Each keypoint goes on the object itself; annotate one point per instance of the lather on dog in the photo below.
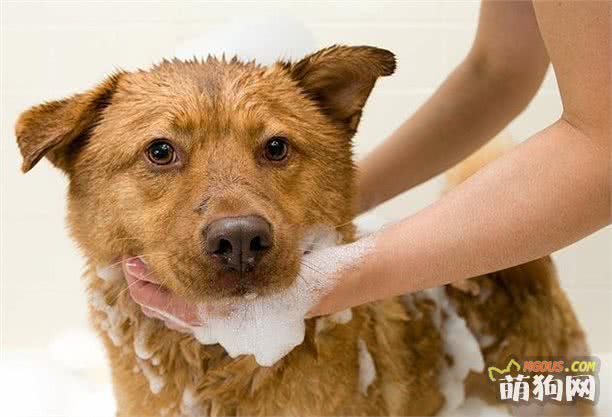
(185, 162)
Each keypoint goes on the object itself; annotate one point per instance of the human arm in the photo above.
(548, 192)
(490, 87)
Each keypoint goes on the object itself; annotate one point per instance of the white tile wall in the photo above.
(49, 49)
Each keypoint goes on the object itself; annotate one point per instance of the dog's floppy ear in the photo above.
(340, 79)
(55, 128)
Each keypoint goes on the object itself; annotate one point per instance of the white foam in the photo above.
(460, 344)
(486, 340)
(156, 381)
(342, 317)
(114, 317)
(367, 369)
(190, 405)
(109, 272)
(325, 322)
(269, 327)
(265, 38)
(142, 333)
(484, 293)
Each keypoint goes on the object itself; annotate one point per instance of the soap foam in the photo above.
(113, 321)
(156, 381)
(459, 343)
(142, 333)
(270, 326)
(486, 340)
(367, 369)
(109, 272)
(325, 322)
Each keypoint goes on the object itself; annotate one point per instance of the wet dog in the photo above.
(214, 171)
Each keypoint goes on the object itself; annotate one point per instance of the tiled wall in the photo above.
(53, 48)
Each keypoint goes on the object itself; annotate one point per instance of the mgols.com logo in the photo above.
(559, 381)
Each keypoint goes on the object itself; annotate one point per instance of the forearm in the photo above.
(495, 82)
(470, 107)
(547, 193)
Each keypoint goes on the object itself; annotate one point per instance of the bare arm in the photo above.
(549, 192)
(486, 91)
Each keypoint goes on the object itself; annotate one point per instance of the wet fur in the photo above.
(118, 205)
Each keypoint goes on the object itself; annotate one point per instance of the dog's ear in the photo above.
(56, 128)
(340, 79)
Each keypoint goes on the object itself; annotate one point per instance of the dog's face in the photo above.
(212, 171)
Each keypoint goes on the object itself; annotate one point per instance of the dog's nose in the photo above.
(238, 242)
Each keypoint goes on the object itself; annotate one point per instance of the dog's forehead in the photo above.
(212, 80)
(209, 77)
(190, 92)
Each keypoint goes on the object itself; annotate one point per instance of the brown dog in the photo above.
(187, 162)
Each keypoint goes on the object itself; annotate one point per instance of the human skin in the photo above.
(545, 194)
(491, 86)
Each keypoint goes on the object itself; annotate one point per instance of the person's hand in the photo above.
(342, 270)
(157, 301)
(348, 291)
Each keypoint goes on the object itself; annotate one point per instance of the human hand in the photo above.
(345, 269)
(157, 301)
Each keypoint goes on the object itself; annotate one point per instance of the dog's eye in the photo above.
(276, 148)
(160, 152)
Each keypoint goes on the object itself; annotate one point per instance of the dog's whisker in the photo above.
(343, 224)
(312, 268)
(114, 264)
(121, 291)
(307, 283)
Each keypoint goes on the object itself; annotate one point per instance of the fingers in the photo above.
(156, 300)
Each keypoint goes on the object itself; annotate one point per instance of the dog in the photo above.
(188, 160)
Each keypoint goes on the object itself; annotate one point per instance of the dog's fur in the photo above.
(218, 114)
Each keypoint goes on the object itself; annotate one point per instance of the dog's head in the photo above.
(214, 170)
